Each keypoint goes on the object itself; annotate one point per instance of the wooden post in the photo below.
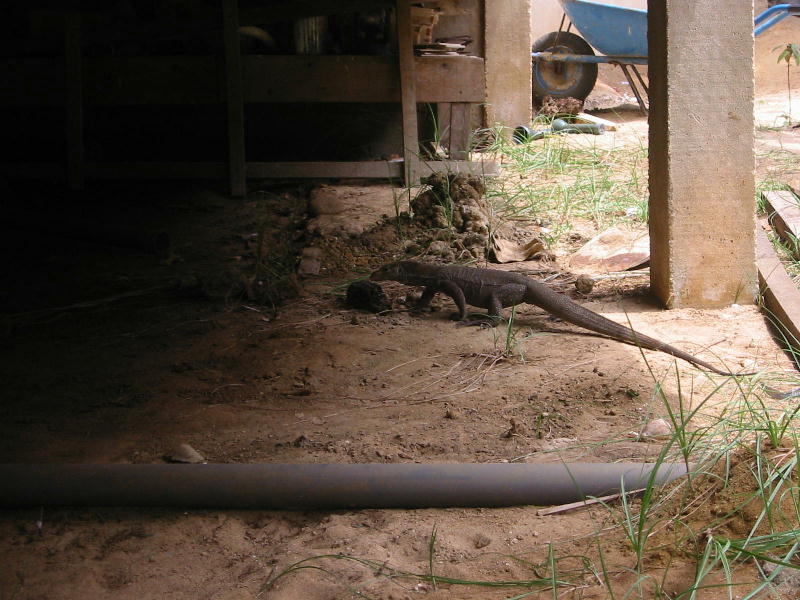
(73, 79)
(702, 186)
(405, 48)
(453, 124)
(459, 131)
(235, 97)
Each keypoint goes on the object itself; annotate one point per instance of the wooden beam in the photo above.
(330, 169)
(360, 79)
(783, 213)
(174, 80)
(283, 10)
(234, 97)
(74, 101)
(219, 170)
(779, 294)
(408, 92)
(473, 167)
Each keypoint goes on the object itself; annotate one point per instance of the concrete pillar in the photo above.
(702, 185)
(508, 62)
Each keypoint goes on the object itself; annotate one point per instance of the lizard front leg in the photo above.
(457, 294)
(425, 299)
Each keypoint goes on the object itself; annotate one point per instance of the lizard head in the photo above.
(396, 271)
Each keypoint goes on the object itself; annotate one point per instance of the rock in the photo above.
(657, 428)
(310, 262)
(325, 200)
(440, 248)
(584, 284)
(410, 247)
(301, 441)
(185, 454)
(517, 429)
(614, 249)
(481, 541)
(367, 295)
(786, 583)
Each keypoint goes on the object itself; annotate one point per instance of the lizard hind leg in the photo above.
(492, 318)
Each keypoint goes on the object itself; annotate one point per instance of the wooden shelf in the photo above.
(233, 80)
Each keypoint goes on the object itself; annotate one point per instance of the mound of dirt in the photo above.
(455, 202)
(556, 107)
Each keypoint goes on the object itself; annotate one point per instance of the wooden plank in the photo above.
(234, 97)
(175, 80)
(443, 115)
(408, 92)
(592, 119)
(780, 295)
(74, 101)
(360, 79)
(170, 80)
(219, 170)
(266, 12)
(41, 171)
(158, 170)
(473, 167)
(459, 131)
(332, 169)
(783, 213)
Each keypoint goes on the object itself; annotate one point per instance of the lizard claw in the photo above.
(479, 321)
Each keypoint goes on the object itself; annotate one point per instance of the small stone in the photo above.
(516, 430)
(584, 284)
(310, 262)
(450, 413)
(185, 454)
(301, 441)
(440, 248)
(326, 201)
(481, 541)
(657, 428)
(367, 295)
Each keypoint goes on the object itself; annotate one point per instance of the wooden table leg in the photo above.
(75, 159)
(408, 92)
(234, 97)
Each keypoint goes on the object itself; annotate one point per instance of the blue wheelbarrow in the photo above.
(565, 64)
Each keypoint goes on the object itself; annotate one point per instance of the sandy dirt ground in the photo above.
(190, 347)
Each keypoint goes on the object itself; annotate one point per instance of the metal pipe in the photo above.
(328, 486)
(770, 12)
(588, 58)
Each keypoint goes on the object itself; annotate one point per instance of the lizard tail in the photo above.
(561, 306)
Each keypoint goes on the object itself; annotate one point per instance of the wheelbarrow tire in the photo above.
(563, 79)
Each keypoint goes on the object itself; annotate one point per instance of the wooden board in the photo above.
(219, 170)
(171, 80)
(783, 213)
(408, 92)
(591, 119)
(234, 98)
(780, 295)
(73, 67)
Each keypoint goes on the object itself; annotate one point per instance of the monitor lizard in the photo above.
(494, 290)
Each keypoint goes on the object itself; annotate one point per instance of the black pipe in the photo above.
(331, 486)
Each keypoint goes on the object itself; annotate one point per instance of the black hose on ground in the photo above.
(328, 486)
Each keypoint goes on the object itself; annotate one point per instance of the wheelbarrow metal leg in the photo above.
(634, 87)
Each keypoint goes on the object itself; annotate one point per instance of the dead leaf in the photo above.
(506, 251)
